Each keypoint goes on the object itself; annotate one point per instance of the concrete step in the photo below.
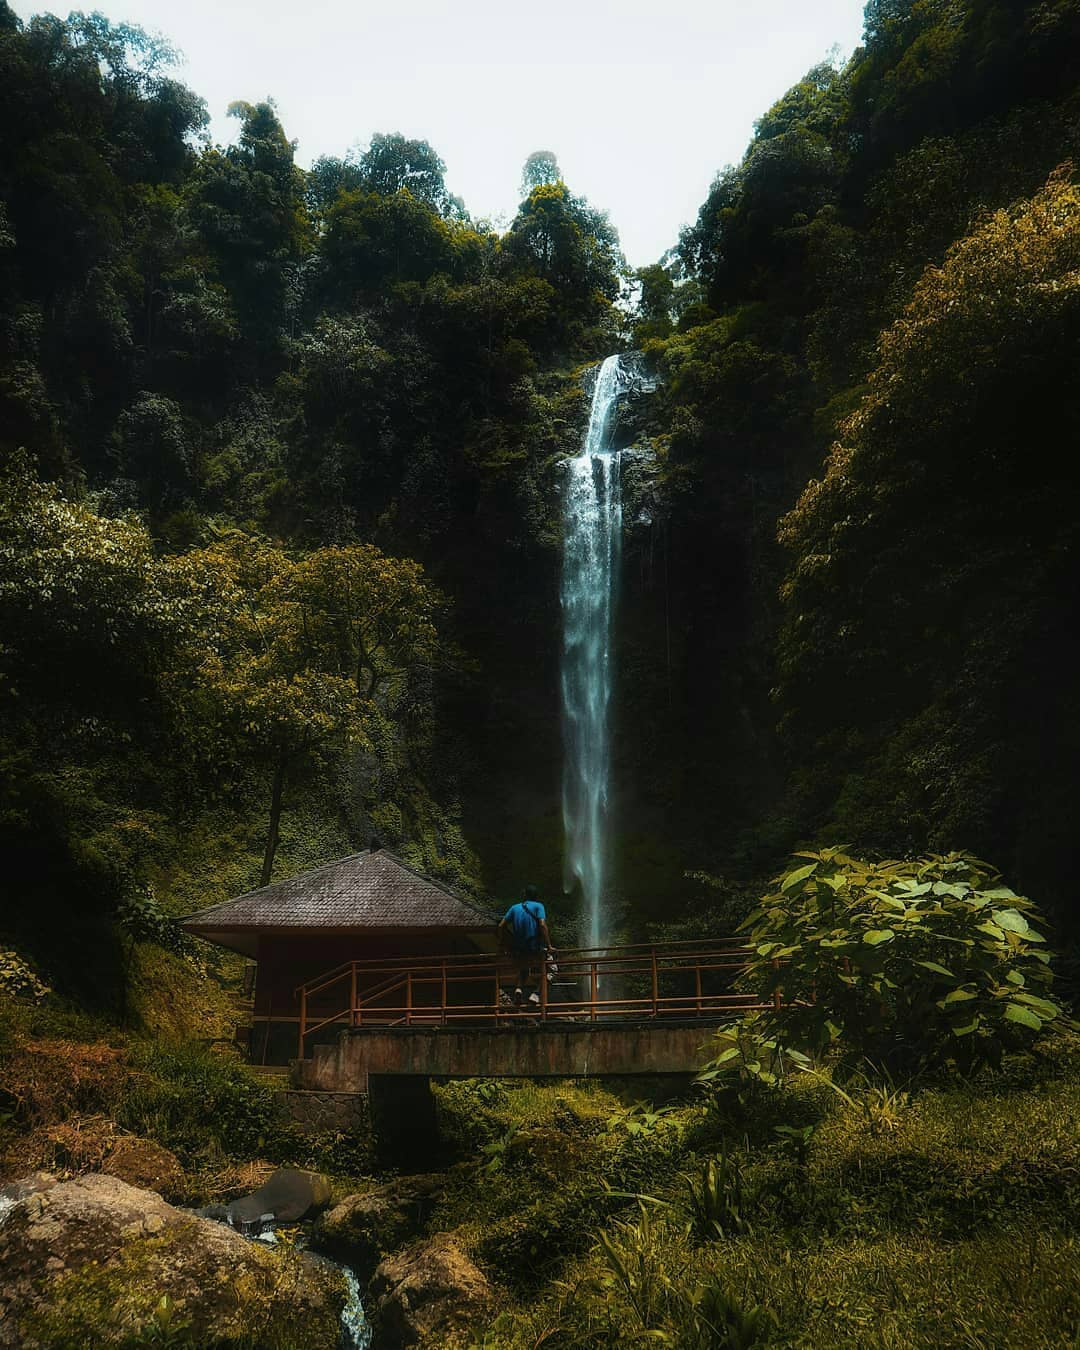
(271, 1073)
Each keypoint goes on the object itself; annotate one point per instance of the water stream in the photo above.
(592, 528)
(355, 1331)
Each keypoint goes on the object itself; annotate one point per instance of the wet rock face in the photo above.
(288, 1196)
(363, 1228)
(23, 1187)
(429, 1295)
(98, 1254)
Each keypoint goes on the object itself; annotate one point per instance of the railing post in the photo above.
(593, 986)
(697, 984)
(444, 992)
(655, 984)
(543, 988)
(270, 1026)
(352, 997)
(303, 1020)
(777, 999)
(408, 998)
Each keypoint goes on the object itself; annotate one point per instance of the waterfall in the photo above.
(592, 520)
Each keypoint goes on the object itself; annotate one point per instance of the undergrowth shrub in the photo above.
(716, 1199)
(200, 1105)
(549, 1164)
(19, 980)
(929, 962)
(667, 1306)
(47, 1080)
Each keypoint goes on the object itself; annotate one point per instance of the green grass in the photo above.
(947, 1215)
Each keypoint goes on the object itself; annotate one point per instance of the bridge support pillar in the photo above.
(404, 1122)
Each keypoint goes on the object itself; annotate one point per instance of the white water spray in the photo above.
(592, 520)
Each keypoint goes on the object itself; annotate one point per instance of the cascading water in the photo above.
(592, 520)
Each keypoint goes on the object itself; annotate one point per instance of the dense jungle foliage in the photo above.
(279, 555)
(867, 341)
(273, 444)
(279, 506)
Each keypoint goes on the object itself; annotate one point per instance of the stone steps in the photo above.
(271, 1073)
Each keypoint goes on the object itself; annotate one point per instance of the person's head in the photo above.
(531, 893)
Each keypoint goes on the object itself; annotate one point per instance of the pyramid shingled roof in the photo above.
(373, 890)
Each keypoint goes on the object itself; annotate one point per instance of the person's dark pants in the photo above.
(528, 964)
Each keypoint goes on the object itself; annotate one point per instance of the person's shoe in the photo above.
(534, 999)
(519, 997)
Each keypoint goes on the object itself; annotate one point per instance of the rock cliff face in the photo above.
(97, 1252)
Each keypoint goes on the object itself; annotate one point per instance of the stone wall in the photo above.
(324, 1112)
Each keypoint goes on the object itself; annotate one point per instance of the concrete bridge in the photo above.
(385, 1030)
(594, 1012)
(391, 1069)
(545, 1050)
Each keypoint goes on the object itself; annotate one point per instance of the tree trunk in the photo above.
(275, 818)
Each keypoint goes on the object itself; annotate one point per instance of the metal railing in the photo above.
(637, 983)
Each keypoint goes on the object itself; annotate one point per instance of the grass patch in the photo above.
(548, 1163)
(1006, 1289)
(941, 1213)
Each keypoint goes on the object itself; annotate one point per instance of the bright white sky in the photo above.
(642, 101)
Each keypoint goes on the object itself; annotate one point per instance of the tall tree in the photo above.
(539, 169)
(392, 163)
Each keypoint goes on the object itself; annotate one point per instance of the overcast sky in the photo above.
(642, 101)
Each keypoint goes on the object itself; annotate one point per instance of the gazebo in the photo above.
(371, 906)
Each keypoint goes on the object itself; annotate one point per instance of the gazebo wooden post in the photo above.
(408, 998)
(303, 1021)
(444, 991)
(270, 1024)
(352, 997)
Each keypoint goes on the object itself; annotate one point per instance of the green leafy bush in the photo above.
(142, 919)
(930, 961)
(18, 979)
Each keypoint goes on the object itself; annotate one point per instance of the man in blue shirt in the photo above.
(524, 926)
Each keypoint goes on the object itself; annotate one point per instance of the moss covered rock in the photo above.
(366, 1227)
(431, 1294)
(141, 1162)
(98, 1262)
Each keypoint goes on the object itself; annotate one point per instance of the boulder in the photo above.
(287, 1196)
(431, 1294)
(364, 1228)
(22, 1187)
(219, 1213)
(97, 1255)
(141, 1162)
